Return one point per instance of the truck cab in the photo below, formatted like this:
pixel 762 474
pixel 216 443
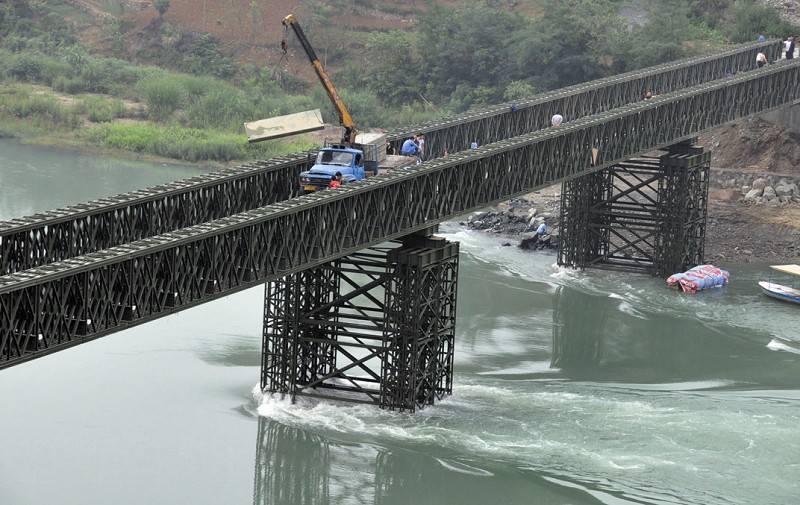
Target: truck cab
pixel 329 160
pixel 355 163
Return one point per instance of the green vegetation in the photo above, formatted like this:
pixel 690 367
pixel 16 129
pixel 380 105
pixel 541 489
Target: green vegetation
pixel 162 6
pixel 187 144
pixel 192 107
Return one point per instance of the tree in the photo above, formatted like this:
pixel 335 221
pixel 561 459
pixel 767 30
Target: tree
pixel 574 41
pixel 396 67
pixel 162 6
pixel 470 46
pixel 749 19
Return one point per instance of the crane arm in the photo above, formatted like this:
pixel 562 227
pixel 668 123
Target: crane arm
pixel 345 119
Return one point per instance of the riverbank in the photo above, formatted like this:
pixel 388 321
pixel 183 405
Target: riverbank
pixel 740 228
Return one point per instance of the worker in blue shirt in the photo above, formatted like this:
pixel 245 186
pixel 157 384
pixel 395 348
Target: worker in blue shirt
pixel 410 147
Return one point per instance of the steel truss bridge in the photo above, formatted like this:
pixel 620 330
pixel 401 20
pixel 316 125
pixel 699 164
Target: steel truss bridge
pixel 57 235
pixel 51 300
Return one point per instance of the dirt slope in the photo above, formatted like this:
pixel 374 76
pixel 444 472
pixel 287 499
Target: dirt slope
pixel 738 231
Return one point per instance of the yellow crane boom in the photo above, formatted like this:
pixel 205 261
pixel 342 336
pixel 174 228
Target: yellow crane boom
pixel 349 136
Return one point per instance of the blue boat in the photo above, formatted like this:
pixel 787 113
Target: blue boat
pixel 789 293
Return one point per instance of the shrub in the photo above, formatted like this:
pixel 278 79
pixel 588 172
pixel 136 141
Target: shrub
pixel 101 110
pixel 219 109
pixel 25 67
pixel 41 109
pixel 162 94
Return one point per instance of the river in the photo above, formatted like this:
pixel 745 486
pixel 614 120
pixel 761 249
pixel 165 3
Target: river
pixel 570 388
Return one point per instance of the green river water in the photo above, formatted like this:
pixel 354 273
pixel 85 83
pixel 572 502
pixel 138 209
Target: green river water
pixel 570 388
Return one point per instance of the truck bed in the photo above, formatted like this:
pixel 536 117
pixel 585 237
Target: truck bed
pixel 395 161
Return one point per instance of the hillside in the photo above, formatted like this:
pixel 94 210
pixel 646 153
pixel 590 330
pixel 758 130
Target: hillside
pixel 251 30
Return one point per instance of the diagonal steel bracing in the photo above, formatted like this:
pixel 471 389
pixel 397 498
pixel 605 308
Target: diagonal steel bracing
pixel 645 214
pixel 254 247
pixel 379 331
pixel 73 231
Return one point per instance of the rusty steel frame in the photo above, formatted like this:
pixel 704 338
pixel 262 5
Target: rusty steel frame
pixel 374 327
pixel 683 211
pixel 645 215
pixel 57 235
pixel 157 276
pixel 419 335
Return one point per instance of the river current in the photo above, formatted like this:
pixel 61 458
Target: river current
pixel 570 388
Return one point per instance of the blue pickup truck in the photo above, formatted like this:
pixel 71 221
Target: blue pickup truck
pixel 355 163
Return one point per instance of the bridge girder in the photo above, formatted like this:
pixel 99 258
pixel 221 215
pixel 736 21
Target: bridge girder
pixel 261 245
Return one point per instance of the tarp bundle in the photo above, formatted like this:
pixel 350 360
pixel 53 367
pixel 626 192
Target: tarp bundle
pixel 699 277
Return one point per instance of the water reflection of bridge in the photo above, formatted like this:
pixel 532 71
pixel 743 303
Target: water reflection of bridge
pixel 294 465
pixel 95 269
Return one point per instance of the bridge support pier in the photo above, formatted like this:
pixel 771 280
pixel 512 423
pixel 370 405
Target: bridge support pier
pixel 646 214
pixel 377 326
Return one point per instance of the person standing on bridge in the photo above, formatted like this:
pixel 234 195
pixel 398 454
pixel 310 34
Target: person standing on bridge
pixel 761 60
pixel 761 37
pixel 790 48
pixel 557 119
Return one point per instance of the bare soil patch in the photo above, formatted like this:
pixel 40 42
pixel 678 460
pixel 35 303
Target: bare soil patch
pixel 739 231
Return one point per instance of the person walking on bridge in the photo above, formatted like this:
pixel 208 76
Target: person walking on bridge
pixel 557 119
pixel 761 60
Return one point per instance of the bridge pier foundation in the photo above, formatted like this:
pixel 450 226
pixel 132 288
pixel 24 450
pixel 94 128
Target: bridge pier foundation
pixel 377 326
pixel 646 214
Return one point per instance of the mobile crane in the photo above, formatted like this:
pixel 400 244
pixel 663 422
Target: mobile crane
pixel 352 159
pixel 350 132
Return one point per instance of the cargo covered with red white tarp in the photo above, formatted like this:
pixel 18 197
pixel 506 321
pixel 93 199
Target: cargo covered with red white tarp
pixel 699 278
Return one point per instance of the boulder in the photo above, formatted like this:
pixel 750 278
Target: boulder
pixel 759 183
pixel 784 190
pixel 754 194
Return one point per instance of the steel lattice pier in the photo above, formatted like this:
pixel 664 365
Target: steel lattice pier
pixel 646 214
pixel 73 231
pixel 375 327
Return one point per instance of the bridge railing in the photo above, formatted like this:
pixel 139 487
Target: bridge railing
pixel 73 231
pixel 51 307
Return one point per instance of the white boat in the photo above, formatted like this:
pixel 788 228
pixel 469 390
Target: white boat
pixel 789 293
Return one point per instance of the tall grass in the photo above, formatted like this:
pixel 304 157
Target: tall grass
pixel 40 109
pixel 163 95
pixel 185 143
pixel 101 110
